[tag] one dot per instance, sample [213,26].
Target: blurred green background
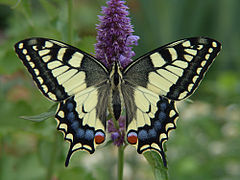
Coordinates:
[206,143]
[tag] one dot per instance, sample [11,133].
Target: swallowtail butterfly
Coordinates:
[147,89]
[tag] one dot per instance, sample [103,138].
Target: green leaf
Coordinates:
[155,161]
[43,116]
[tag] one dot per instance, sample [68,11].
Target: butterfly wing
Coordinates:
[174,70]
[82,119]
[58,69]
[75,79]
[155,80]
[150,118]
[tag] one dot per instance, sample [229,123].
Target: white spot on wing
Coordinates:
[28,57]
[190,86]
[183,95]
[157,59]
[35,48]
[45,88]
[24,51]
[172,113]
[194,79]
[188,57]
[32,64]
[169,126]
[43,52]
[20,45]
[200,47]
[173,53]
[63,126]
[210,50]
[54,64]
[186,44]
[191,51]
[61,114]
[52,96]
[61,53]
[48,44]
[77,146]
[46,58]
[181,64]
[162,136]
[40,80]
[199,70]
[203,63]
[214,44]
[76,59]
[207,56]
[36,71]
[69,136]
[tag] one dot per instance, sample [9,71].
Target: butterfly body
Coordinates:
[115,98]
[146,89]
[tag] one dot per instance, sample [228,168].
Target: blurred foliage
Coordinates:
[206,143]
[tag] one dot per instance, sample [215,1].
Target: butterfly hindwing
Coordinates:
[58,69]
[82,119]
[174,70]
[150,118]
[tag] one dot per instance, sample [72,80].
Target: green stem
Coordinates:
[120,162]
[50,167]
[70,28]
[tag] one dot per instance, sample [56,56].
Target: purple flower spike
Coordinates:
[114,35]
[117,135]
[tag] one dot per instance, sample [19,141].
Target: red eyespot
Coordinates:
[132,137]
[99,137]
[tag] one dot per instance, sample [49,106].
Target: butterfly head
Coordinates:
[116,74]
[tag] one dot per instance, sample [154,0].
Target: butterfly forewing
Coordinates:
[174,70]
[58,69]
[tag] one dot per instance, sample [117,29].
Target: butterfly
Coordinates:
[147,89]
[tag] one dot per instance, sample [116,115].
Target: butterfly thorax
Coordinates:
[115,98]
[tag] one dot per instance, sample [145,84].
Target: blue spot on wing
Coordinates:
[70,106]
[80,133]
[157,125]
[71,116]
[152,133]
[75,125]
[163,106]
[89,135]
[142,135]
[162,116]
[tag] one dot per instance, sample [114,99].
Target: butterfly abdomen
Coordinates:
[116,104]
